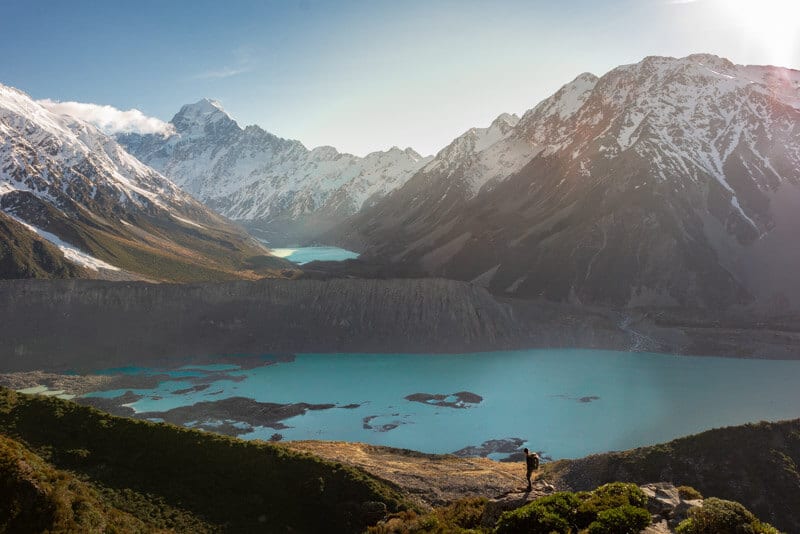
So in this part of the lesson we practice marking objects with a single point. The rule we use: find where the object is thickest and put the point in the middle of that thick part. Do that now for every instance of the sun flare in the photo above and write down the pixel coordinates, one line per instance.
(773, 26)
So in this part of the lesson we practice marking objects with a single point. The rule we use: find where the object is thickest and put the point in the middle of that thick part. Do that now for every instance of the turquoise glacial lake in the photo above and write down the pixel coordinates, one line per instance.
(566, 403)
(303, 255)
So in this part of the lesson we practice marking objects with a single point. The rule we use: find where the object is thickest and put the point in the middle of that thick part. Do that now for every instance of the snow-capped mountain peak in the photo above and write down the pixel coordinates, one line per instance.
(505, 121)
(258, 178)
(203, 114)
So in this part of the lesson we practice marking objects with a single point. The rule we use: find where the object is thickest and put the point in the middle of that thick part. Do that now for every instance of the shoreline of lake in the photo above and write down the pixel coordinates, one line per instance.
(565, 403)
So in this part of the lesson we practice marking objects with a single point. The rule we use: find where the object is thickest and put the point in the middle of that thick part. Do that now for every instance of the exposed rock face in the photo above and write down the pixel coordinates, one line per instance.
(277, 187)
(85, 325)
(667, 182)
(103, 325)
(664, 501)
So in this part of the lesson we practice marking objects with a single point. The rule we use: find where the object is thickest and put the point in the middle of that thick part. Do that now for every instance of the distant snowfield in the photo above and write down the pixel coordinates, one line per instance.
(72, 253)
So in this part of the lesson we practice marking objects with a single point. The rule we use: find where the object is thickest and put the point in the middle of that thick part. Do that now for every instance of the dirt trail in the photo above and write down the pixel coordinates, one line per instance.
(430, 479)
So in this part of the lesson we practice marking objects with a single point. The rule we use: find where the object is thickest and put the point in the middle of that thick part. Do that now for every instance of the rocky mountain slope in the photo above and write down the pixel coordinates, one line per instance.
(276, 187)
(72, 199)
(667, 182)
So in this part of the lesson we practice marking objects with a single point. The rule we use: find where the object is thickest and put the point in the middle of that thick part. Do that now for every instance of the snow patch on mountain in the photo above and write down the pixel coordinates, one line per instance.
(71, 253)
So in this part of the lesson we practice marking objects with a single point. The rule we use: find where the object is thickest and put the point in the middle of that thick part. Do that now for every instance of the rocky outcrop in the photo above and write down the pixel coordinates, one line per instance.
(667, 505)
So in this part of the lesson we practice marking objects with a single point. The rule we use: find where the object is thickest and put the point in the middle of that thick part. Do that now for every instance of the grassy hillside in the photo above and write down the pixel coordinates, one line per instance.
(36, 497)
(156, 246)
(168, 477)
(25, 255)
(755, 464)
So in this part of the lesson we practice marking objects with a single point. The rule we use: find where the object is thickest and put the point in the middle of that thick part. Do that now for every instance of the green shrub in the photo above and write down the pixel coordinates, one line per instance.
(625, 519)
(554, 513)
(606, 497)
(465, 513)
(461, 517)
(626, 492)
(532, 520)
(718, 516)
(688, 493)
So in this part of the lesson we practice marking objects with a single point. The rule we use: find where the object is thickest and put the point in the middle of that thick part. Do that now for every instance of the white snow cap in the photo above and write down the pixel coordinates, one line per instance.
(204, 111)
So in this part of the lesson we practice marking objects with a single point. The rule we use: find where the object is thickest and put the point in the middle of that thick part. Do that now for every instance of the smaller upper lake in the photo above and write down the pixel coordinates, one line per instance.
(301, 255)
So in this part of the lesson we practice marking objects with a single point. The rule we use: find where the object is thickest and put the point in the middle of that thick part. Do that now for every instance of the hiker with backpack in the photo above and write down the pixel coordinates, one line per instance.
(532, 464)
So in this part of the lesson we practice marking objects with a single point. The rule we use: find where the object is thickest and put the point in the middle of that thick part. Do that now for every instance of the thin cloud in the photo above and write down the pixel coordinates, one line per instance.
(243, 62)
(679, 2)
(225, 72)
(109, 119)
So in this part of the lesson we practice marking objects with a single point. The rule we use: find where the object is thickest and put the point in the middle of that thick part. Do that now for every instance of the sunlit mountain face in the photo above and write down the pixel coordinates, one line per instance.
(670, 181)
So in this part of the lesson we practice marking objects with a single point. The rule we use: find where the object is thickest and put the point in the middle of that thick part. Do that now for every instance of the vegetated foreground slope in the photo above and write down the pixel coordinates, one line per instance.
(66, 465)
(69, 467)
(667, 182)
(754, 464)
(65, 182)
(36, 497)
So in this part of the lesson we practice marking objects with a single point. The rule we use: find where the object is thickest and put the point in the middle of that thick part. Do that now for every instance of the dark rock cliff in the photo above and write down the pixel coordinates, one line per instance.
(79, 323)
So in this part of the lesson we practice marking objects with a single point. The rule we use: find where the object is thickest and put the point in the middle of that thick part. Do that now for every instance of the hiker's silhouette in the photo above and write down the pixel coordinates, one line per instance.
(531, 464)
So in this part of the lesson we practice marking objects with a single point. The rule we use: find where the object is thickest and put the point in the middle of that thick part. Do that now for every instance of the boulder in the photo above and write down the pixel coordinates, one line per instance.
(666, 505)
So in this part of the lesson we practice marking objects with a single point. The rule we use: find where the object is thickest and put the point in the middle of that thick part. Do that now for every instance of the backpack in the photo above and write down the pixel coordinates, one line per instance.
(535, 462)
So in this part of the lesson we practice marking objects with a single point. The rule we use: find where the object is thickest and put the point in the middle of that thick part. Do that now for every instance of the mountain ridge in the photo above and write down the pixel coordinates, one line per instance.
(278, 188)
(690, 166)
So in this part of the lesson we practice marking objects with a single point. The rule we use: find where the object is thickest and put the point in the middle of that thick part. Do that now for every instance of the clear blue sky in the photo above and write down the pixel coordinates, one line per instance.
(364, 75)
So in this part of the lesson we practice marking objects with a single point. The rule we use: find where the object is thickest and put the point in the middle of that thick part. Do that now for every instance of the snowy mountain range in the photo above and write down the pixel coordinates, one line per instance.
(74, 202)
(666, 182)
(276, 187)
